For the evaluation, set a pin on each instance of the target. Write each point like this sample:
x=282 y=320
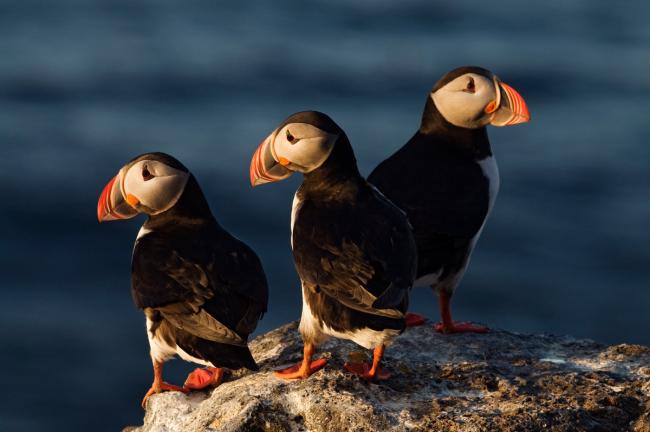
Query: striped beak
x=112 y=205
x=512 y=107
x=264 y=168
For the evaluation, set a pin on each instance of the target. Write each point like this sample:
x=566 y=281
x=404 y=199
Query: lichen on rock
x=499 y=381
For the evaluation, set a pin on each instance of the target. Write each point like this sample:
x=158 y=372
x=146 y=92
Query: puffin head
x=302 y=143
x=472 y=97
x=151 y=183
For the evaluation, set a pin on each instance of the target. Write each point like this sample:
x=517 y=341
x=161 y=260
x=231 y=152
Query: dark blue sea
x=86 y=85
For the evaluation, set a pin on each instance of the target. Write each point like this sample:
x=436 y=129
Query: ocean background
x=87 y=85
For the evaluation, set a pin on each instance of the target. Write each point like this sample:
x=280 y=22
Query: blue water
x=86 y=85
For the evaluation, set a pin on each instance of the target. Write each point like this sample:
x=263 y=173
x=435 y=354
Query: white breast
x=295 y=207
x=143 y=232
x=491 y=171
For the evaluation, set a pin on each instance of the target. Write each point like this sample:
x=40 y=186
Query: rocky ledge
x=500 y=381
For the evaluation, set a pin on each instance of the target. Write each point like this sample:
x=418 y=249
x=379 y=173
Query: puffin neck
x=338 y=170
x=435 y=127
x=191 y=210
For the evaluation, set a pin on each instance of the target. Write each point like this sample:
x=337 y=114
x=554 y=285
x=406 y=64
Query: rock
x=499 y=381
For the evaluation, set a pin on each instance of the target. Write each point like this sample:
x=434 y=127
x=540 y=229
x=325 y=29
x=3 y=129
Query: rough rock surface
x=500 y=381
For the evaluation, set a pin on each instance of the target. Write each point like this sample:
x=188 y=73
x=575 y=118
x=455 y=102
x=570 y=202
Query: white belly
x=161 y=351
x=365 y=337
x=313 y=331
x=185 y=356
x=428 y=279
x=491 y=172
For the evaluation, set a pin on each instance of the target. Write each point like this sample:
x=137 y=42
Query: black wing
x=208 y=292
x=362 y=255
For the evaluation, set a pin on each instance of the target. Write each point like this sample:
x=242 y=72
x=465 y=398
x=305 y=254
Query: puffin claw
x=299 y=371
x=158 y=389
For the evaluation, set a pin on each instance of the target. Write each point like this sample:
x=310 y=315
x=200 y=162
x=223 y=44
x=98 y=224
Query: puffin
x=202 y=290
x=353 y=249
x=446 y=178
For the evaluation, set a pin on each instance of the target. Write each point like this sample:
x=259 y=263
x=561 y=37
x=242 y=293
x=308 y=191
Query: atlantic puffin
x=446 y=179
x=202 y=290
x=353 y=249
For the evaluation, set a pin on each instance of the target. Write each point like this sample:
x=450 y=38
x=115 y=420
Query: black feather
x=199 y=278
x=437 y=180
x=352 y=247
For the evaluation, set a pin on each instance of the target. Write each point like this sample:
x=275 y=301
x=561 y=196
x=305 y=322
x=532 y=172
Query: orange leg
x=199 y=379
x=158 y=384
x=304 y=369
x=373 y=372
x=448 y=325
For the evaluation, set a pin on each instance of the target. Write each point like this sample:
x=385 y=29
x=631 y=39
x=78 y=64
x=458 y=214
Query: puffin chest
x=295 y=209
x=465 y=211
x=491 y=172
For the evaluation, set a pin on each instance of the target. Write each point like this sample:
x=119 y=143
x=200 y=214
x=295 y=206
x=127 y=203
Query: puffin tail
x=248 y=360
x=395 y=297
x=219 y=354
x=230 y=356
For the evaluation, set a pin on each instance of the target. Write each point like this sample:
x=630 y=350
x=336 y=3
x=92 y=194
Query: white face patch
x=155 y=185
x=303 y=146
x=462 y=101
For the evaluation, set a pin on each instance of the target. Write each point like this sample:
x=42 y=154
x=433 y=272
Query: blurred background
x=87 y=85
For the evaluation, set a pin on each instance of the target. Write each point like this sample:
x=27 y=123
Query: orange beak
x=512 y=108
x=112 y=205
x=264 y=168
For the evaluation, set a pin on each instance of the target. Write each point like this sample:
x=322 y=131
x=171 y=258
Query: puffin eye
x=292 y=139
x=146 y=175
x=471 y=87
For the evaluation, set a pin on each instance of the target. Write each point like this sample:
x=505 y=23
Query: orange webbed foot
x=460 y=327
x=414 y=320
x=200 y=379
x=299 y=371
